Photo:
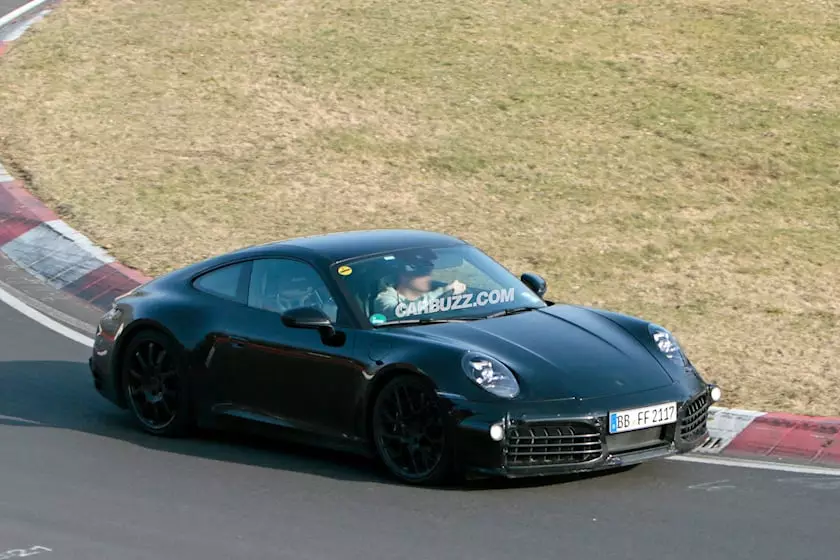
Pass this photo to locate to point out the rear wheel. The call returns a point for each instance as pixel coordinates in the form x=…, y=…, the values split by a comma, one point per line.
x=154, y=387
x=410, y=432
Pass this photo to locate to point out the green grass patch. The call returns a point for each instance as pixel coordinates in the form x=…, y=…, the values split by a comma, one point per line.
x=676, y=160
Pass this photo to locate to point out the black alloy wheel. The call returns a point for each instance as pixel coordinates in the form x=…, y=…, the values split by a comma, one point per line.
x=410, y=431
x=154, y=384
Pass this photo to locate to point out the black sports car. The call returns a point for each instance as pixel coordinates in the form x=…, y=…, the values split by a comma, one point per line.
x=412, y=346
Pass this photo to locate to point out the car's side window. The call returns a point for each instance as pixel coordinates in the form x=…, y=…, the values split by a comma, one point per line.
x=223, y=282
x=281, y=284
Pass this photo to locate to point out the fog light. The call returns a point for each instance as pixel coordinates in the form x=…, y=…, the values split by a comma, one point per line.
x=715, y=393
x=497, y=432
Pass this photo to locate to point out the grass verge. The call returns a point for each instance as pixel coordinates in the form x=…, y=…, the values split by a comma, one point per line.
x=676, y=160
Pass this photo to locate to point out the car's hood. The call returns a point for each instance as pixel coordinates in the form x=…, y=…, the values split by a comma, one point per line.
x=561, y=351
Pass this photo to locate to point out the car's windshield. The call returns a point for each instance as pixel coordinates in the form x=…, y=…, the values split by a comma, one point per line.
x=448, y=283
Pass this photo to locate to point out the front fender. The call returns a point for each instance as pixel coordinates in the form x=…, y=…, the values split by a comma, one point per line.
x=438, y=362
x=638, y=329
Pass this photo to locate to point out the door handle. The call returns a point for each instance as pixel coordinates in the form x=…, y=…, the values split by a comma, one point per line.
x=237, y=343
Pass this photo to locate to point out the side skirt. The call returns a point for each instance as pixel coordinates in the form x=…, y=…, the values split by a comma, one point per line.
x=228, y=417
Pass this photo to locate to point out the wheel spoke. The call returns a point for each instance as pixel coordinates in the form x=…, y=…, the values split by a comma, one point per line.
x=413, y=461
x=159, y=361
x=389, y=418
x=426, y=455
x=400, y=411
x=143, y=365
x=409, y=402
x=405, y=406
x=151, y=356
x=433, y=436
x=432, y=420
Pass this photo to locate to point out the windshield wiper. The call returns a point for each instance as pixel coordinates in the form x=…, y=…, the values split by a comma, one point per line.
x=418, y=322
x=511, y=311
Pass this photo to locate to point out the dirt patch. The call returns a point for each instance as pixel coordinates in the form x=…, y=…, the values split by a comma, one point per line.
x=674, y=160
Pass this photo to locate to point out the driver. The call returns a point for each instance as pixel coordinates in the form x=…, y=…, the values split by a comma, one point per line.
x=414, y=284
x=300, y=291
x=296, y=291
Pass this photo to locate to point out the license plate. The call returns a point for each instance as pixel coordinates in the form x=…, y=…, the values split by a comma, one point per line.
x=647, y=417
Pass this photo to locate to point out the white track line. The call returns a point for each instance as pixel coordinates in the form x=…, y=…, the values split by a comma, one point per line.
x=25, y=9
x=764, y=465
x=42, y=319
x=5, y=177
x=21, y=420
x=80, y=326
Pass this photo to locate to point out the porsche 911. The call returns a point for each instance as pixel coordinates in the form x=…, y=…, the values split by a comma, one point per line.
x=413, y=347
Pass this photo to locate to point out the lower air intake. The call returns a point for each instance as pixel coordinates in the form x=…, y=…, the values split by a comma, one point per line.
x=695, y=414
x=552, y=444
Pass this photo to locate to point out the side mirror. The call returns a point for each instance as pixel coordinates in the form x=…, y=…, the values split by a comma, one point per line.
x=535, y=282
x=310, y=318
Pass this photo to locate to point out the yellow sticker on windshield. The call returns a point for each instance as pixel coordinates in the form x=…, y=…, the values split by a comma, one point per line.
x=345, y=270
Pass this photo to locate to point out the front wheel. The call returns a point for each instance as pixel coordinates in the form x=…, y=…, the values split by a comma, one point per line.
x=410, y=432
x=154, y=387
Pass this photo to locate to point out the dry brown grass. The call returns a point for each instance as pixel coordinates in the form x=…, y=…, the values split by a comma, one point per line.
x=676, y=160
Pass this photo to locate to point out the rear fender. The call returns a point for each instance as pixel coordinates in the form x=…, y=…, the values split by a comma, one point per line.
x=179, y=326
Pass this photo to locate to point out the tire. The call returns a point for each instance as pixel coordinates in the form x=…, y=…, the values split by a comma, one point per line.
x=154, y=384
x=411, y=433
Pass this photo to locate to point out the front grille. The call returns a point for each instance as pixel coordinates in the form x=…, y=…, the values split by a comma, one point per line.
x=554, y=444
x=695, y=413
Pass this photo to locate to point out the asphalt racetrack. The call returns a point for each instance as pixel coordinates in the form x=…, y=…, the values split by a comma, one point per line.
x=7, y=6
x=78, y=479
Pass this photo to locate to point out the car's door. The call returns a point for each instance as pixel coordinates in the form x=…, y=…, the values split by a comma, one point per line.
x=293, y=375
x=224, y=291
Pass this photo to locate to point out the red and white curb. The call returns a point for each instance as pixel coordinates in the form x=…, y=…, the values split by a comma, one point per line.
x=773, y=437
x=34, y=238
x=38, y=241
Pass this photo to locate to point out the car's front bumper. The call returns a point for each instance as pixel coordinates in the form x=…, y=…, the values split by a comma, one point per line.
x=101, y=369
x=564, y=437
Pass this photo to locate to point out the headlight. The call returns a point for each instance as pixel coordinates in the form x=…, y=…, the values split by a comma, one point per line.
x=491, y=375
x=667, y=344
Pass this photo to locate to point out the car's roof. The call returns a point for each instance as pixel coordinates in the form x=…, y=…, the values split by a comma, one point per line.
x=322, y=250
x=340, y=246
